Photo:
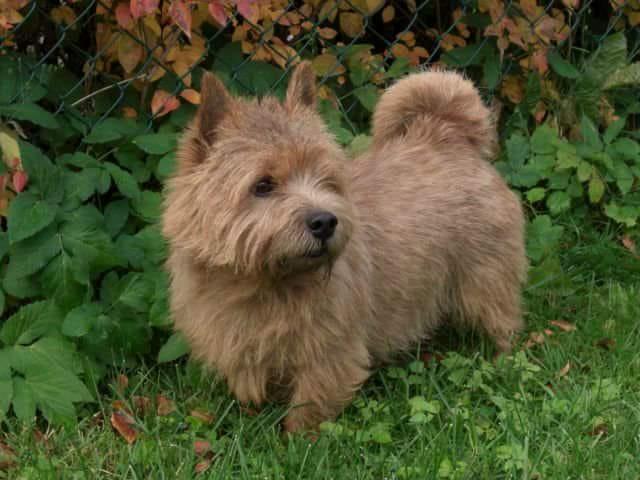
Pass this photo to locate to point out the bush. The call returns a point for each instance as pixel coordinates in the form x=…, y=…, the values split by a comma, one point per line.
x=88, y=140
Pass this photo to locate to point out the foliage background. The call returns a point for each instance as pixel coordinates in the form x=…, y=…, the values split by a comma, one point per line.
x=94, y=94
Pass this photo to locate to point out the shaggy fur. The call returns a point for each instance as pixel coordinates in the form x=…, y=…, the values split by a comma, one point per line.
x=427, y=232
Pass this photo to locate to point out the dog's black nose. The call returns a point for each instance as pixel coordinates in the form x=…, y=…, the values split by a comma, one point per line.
x=321, y=224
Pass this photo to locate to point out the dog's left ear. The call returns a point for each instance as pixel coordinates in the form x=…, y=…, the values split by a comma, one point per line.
x=302, y=87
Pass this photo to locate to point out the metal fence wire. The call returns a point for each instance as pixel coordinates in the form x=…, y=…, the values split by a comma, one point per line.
x=105, y=58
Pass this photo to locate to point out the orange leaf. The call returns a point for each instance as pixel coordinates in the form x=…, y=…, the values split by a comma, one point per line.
x=352, y=24
x=200, y=447
x=140, y=8
x=163, y=102
x=571, y=3
x=388, y=13
x=327, y=33
x=202, y=466
x=181, y=15
x=142, y=404
x=123, y=424
x=165, y=406
x=562, y=325
x=123, y=15
x=564, y=370
x=399, y=50
x=63, y=14
x=205, y=417
x=20, y=180
x=629, y=244
x=130, y=52
x=129, y=112
x=122, y=382
x=191, y=96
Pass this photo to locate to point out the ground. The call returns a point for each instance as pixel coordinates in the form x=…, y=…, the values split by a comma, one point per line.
x=565, y=406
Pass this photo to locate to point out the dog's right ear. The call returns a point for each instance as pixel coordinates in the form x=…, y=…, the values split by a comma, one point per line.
x=215, y=102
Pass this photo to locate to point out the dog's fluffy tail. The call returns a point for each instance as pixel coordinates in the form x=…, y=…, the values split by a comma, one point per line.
x=441, y=106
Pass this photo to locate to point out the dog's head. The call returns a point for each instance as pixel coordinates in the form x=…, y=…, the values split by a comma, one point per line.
x=259, y=186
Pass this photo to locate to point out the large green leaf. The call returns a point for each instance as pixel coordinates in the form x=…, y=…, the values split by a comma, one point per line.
x=24, y=402
x=30, y=112
x=28, y=215
x=48, y=368
x=561, y=66
x=34, y=253
x=30, y=322
x=156, y=143
x=78, y=321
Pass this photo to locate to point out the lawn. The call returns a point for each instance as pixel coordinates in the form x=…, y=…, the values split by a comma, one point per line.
x=566, y=405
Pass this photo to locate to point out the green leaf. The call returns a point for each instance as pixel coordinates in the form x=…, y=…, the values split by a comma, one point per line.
x=91, y=246
x=626, y=214
x=174, y=348
x=627, y=76
x=623, y=175
x=596, y=188
x=47, y=366
x=590, y=133
x=614, y=130
x=542, y=237
x=108, y=130
x=166, y=166
x=566, y=160
x=627, y=148
x=34, y=253
x=30, y=322
x=465, y=56
x=4, y=244
x=28, y=215
x=81, y=185
x=156, y=143
x=561, y=66
x=542, y=140
x=585, y=170
x=124, y=181
x=558, y=202
x=148, y=206
x=115, y=216
x=492, y=70
x=517, y=150
x=6, y=383
x=536, y=194
x=24, y=401
x=59, y=282
x=30, y=112
x=78, y=321
x=398, y=68
x=368, y=96
x=607, y=59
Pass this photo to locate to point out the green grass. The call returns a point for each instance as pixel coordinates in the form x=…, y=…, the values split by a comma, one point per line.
x=463, y=417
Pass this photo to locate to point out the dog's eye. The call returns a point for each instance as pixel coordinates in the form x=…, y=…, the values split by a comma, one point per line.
x=264, y=187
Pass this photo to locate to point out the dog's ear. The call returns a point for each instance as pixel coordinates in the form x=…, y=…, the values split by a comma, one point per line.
x=302, y=87
x=215, y=102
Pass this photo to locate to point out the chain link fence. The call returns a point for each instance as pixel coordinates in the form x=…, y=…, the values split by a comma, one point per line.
x=105, y=58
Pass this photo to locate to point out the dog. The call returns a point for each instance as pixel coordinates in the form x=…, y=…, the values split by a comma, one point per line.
x=294, y=269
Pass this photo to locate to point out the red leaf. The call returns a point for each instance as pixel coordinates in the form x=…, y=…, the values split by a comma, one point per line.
x=181, y=15
x=20, y=180
x=163, y=103
x=200, y=447
x=165, y=406
x=140, y=8
x=123, y=15
x=123, y=425
x=245, y=8
x=630, y=245
x=216, y=9
x=142, y=404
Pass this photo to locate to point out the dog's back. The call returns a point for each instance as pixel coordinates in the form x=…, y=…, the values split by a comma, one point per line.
x=445, y=233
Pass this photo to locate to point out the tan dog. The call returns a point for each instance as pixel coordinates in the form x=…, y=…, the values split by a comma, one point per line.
x=293, y=269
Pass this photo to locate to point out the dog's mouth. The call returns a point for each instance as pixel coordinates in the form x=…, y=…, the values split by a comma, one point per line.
x=321, y=251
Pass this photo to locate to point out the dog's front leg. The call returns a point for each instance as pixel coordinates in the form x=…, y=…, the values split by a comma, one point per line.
x=321, y=391
x=249, y=385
